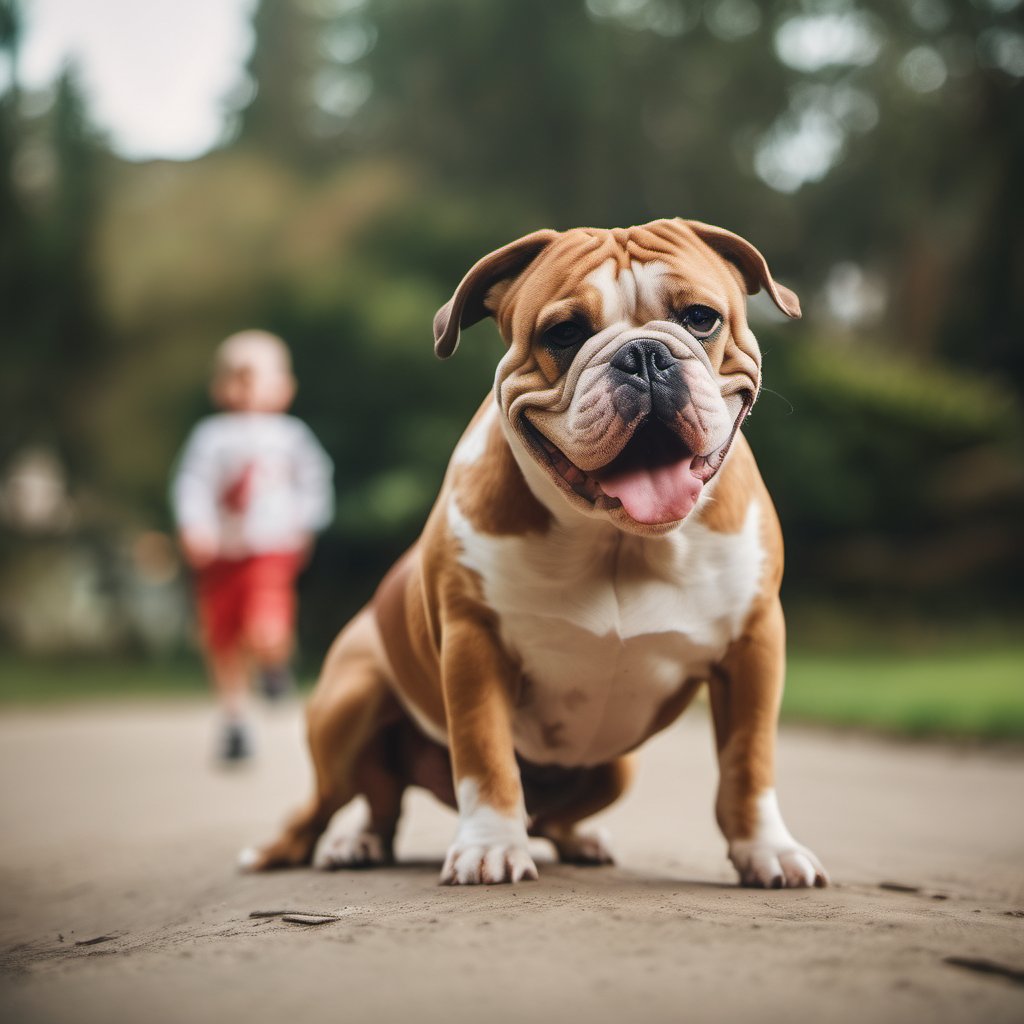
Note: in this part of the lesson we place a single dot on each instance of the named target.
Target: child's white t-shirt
(253, 482)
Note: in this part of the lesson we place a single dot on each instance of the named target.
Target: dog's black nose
(644, 357)
(648, 381)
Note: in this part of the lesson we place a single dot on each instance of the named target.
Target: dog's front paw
(766, 865)
(490, 845)
(487, 865)
(358, 849)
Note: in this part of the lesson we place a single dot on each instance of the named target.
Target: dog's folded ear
(466, 306)
(751, 264)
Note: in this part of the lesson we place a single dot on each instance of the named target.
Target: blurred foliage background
(873, 149)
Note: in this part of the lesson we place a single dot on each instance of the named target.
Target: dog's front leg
(746, 691)
(490, 845)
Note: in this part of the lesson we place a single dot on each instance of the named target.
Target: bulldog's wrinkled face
(630, 365)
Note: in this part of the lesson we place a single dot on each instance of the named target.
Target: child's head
(253, 373)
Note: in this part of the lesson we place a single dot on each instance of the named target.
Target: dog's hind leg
(379, 778)
(351, 705)
(559, 815)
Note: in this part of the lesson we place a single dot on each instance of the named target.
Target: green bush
(894, 481)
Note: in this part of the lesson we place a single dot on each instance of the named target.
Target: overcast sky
(155, 72)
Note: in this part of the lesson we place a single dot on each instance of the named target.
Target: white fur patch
(608, 625)
(771, 829)
(474, 442)
(772, 858)
(624, 291)
(489, 847)
(351, 843)
(593, 846)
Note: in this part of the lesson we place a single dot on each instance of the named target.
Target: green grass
(964, 694)
(35, 681)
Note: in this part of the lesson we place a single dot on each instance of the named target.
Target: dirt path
(116, 828)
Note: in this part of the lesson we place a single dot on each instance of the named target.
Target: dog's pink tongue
(659, 494)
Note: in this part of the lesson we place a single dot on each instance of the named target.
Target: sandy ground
(116, 827)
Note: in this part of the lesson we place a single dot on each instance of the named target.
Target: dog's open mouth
(656, 479)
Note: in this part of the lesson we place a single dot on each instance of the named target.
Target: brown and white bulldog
(601, 547)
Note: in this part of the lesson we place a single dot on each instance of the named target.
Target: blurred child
(252, 487)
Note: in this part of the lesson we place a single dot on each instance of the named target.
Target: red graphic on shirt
(237, 495)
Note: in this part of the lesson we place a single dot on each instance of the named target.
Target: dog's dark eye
(700, 321)
(566, 334)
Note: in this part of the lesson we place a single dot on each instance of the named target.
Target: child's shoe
(236, 744)
(276, 681)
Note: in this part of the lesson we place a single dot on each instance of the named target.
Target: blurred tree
(56, 339)
(16, 272)
(566, 112)
(903, 487)
(924, 184)
(278, 117)
(75, 339)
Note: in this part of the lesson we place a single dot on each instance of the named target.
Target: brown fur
(746, 691)
(493, 495)
(429, 640)
(745, 688)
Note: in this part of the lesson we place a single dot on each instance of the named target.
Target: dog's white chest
(607, 626)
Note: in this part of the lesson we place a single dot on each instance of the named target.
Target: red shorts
(240, 598)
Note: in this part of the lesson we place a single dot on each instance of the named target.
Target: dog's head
(630, 365)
